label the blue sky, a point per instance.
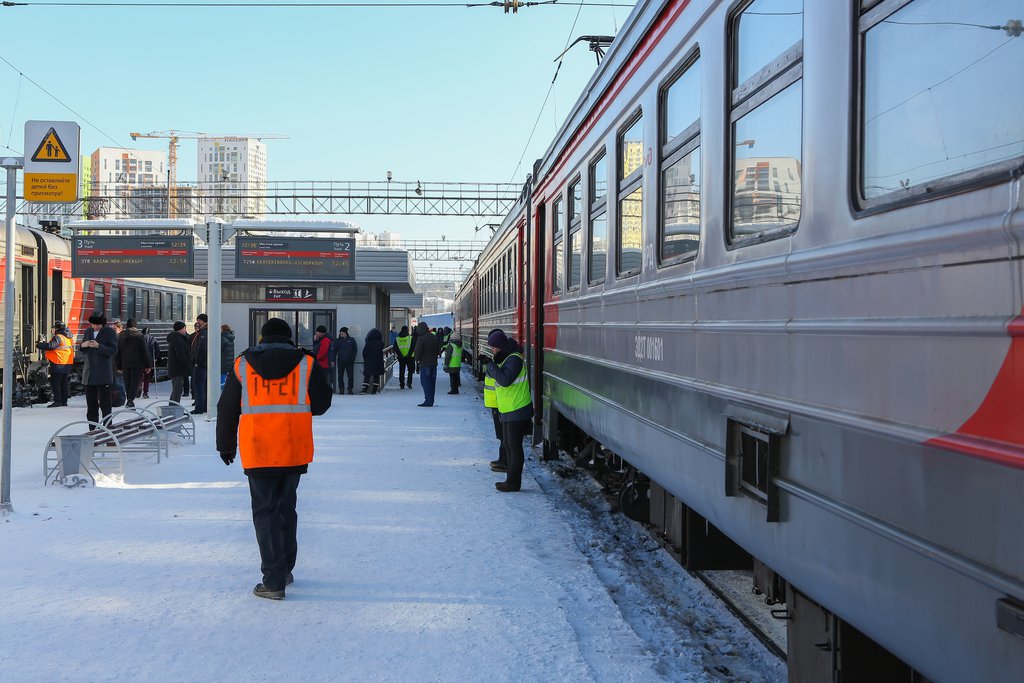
(430, 94)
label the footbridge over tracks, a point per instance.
(282, 198)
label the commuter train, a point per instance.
(774, 261)
(46, 292)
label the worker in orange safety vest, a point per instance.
(60, 352)
(266, 414)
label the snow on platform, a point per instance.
(411, 568)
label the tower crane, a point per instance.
(173, 136)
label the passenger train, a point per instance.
(46, 292)
(774, 261)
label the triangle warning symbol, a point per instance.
(51, 148)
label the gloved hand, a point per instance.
(228, 458)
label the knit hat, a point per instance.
(345, 330)
(202, 316)
(130, 323)
(497, 339)
(456, 337)
(275, 327)
(97, 318)
(321, 329)
(178, 326)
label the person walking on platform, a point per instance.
(345, 349)
(512, 389)
(149, 374)
(373, 361)
(227, 352)
(200, 352)
(324, 355)
(404, 350)
(132, 359)
(99, 344)
(453, 362)
(266, 415)
(60, 352)
(179, 360)
(491, 403)
(428, 348)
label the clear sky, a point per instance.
(432, 94)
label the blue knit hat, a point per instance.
(497, 339)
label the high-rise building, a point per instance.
(232, 175)
(124, 183)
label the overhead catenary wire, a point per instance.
(314, 5)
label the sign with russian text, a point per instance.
(51, 162)
(310, 258)
(149, 256)
(291, 294)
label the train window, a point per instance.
(628, 246)
(575, 275)
(191, 304)
(767, 120)
(115, 301)
(179, 300)
(558, 247)
(145, 304)
(679, 222)
(575, 201)
(168, 307)
(598, 220)
(130, 294)
(99, 297)
(937, 109)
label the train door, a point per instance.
(57, 295)
(302, 322)
(28, 310)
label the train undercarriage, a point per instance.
(817, 644)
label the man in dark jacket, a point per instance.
(149, 376)
(132, 359)
(60, 352)
(200, 352)
(345, 349)
(373, 361)
(99, 345)
(514, 403)
(428, 348)
(179, 360)
(262, 415)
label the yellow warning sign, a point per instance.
(51, 187)
(51, 148)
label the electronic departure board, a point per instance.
(311, 258)
(149, 256)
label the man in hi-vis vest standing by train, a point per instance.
(60, 351)
(266, 412)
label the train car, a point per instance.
(47, 292)
(491, 296)
(774, 263)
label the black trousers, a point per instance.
(275, 520)
(514, 433)
(454, 380)
(406, 366)
(60, 385)
(132, 377)
(346, 369)
(499, 434)
(97, 398)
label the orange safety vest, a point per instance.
(276, 425)
(63, 354)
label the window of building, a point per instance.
(679, 224)
(558, 251)
(938, 108)
(598, 219)
(628, 246)
(767, 120)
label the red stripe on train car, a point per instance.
(996, 430)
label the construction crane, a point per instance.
(172, 137)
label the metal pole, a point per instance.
(215, 243)
(11, 165)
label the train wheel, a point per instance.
(634, 501)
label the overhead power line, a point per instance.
(514, 5)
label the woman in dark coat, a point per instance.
(373, 361)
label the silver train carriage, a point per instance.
(45, 292)
(781, 250)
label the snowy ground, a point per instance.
(411, 568)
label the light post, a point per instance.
(387, 196)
